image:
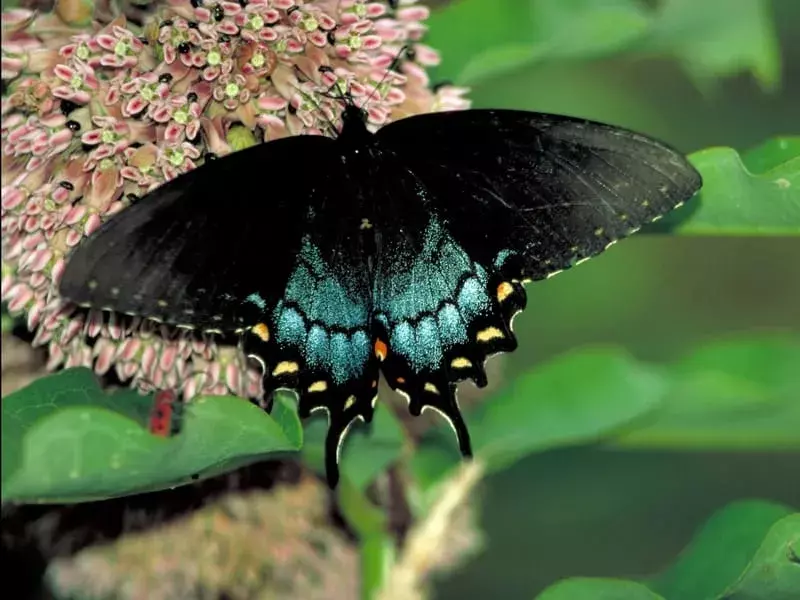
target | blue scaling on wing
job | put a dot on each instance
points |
(439, 314)
(324, 316)
(317, 341)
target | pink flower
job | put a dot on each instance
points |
(185, 118)
(79, 82)
(256, 21)
(110, 138)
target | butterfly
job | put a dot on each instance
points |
(402, 252)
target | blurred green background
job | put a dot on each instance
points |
(599, 512)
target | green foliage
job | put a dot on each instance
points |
(576, 398)
(747, 551)
(66, 440)
(738, 539)
(734, 394)
(754, 194)
(729, 394)
(369, 523)
(586, 588)
(480, 39)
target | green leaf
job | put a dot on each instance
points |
(590, 588)
(724, 549)
(367, 451)
(774, 571)
(737, 201)
(65, 440)
(713, 40)
(480, 39)
(730, 394)
(772, 154)
(747, 551)
(512, 34)
(579, 397)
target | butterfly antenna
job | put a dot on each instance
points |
(392, 66)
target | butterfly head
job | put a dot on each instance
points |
(353, 115)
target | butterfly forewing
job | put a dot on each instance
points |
(546, 189)
(212, 249)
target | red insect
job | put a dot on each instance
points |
(164, 417)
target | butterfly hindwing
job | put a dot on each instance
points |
(538, 192)
(318, 341)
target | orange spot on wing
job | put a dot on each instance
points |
(262, 331)
(381, 350)
(504, 290)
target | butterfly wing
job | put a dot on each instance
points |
(501, 197)
(539, 192)
(211, 249)
(254, 242)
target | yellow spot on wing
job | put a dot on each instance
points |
(429, 387)
(461, 363)
(262, 331)
(318, 386)
(286, 366)
(162, 303)
(488, 334)
(504, 290)
(349, 402)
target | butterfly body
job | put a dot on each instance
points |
(402, 251)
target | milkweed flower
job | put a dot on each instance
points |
(95, 117)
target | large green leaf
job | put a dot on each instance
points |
(735, 200)
(480, 39)
(731, 394)
(586, 588)
(774, 571)
(579, 397)
(65, 440)
(737, 540)
(747, 551)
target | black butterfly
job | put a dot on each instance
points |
(402, 252)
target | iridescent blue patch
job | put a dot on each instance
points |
(427, 301)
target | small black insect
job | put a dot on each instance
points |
(402, 252)
(331, 37)
(219, 13)
(183, 48)
(191, 97)
(73, 125)
(67, 185)
(67, 107)
(165, 77)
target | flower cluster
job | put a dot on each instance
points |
(94, 118)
